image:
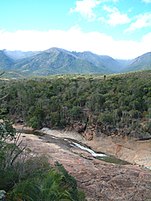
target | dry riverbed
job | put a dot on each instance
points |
(100, 181)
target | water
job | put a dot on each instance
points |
(68, 142)
(93, 153)
(101, 156)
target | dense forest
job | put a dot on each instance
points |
(112, 104)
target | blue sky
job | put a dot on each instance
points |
(119, 28)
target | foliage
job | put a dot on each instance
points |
(6, 130)
(27, 178)
(116, 102)
(9, 151)
(70, 184)
(49, 186)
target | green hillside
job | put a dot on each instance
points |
(118, 104)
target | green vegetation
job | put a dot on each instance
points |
(26, 178)
(52, 185)
(114, 104)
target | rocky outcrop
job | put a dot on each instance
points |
(79, 127)
(99, 180)
(124, 148)
(89, 132)
(106, 182)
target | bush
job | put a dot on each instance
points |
(52, 185)
(32, 179)
(106, 118)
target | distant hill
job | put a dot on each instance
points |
(100, 60)
(5, 61)
(57, 61)
(142, 62)
(16, 55)
(60, 61)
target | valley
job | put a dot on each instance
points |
(97, 127)
(75, 100)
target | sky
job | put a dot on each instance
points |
(118, 28)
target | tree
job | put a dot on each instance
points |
(9, 151)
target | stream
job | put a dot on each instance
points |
(68, 143)
(101, 156)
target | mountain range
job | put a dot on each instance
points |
(60, 61)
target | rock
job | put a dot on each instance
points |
(99, 180)
(79, 127)
(88, 134)
(116, 183)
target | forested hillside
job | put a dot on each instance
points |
(56, 61)
(119, 104)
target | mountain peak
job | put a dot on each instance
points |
(55, 49)
(60, 61)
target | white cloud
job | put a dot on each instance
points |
(142, 21)
(85, 8)
(115, 17)
(74, 40)
(146, 1)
